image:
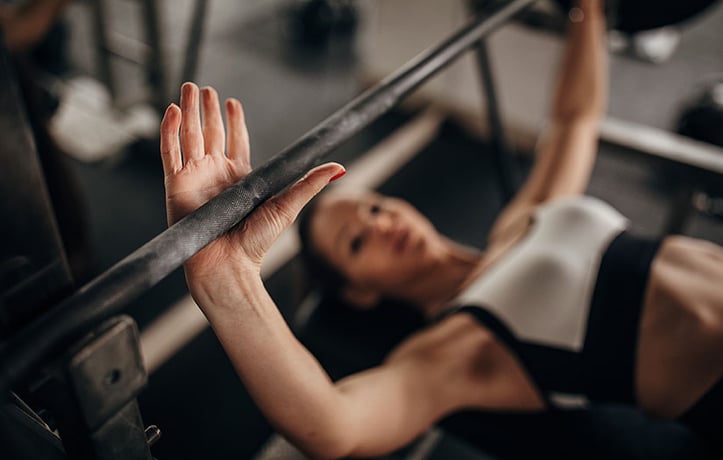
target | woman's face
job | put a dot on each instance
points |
(377, 242)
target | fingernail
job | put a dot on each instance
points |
(188, 88)
(169, 110)
(337, 176)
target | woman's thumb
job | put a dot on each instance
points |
(290, 202)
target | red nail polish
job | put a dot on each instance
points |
(337, 176)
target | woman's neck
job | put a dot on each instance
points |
(452, 271)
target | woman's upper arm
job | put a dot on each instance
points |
(564, 160)
(452, 365)
(389, 406)
(425, 378)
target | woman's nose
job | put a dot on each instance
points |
(383, 223)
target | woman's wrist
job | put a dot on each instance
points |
(222, 285)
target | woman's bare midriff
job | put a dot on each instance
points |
(680, 348)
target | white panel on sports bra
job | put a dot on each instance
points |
(542, 288)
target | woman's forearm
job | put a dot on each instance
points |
(581, 89)
(284, 379)
(566, 155)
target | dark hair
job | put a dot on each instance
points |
(321, 275)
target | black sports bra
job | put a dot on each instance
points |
(604, 368)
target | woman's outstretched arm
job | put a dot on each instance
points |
(367, 414)
(566, 154)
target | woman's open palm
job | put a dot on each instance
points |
(200, 161)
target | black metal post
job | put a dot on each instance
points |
(193, 45)
(681, 208)
(507, 171)
(107, 294)
(156, 64)
(100, 30)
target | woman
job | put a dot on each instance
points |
(662, 319)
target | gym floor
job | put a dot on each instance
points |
(247, 52)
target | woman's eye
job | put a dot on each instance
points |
(374, 209)
(356, 244)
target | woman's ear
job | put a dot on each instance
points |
(360, 297)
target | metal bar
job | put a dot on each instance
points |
(665, 146)
(108, 293)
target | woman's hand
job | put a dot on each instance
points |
(196, 169)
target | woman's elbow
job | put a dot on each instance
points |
(326, 451)
(330, 442)
(585, 117)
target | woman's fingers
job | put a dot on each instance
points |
(213, 134)
(170, 148)
(238, 136)
(209, 137)
(191, 135)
